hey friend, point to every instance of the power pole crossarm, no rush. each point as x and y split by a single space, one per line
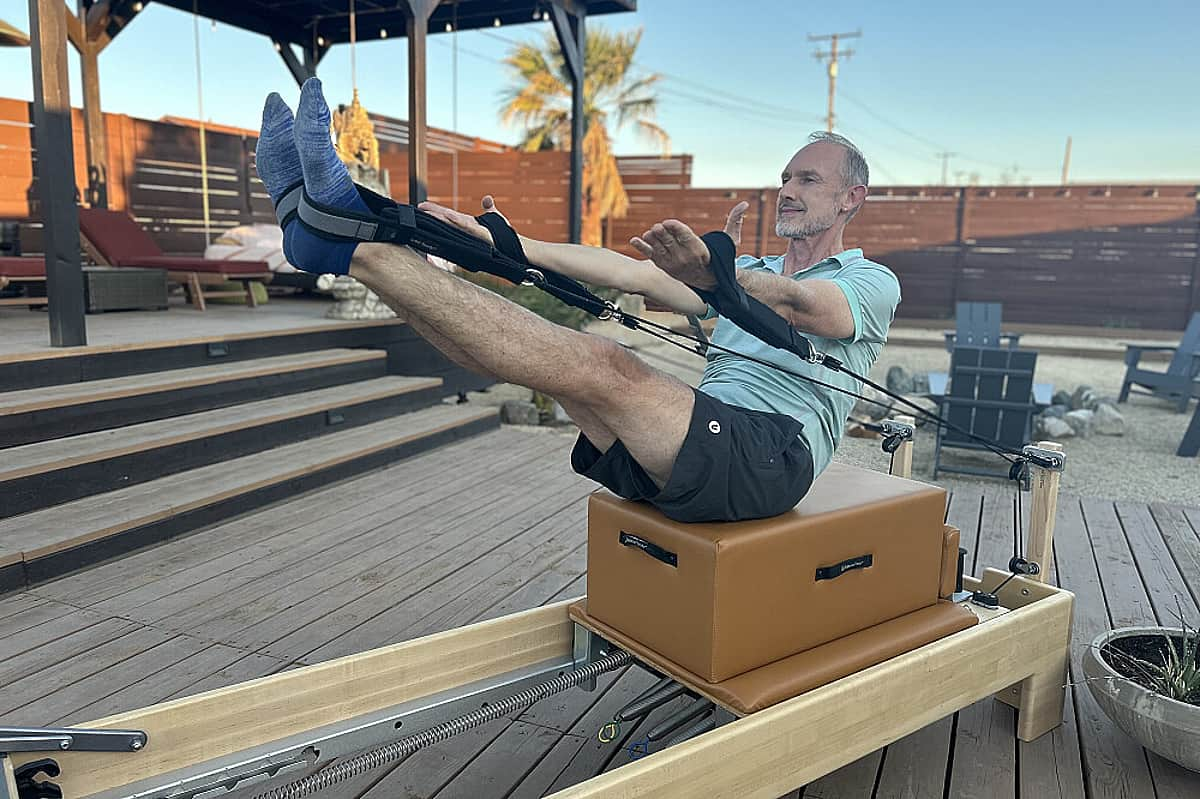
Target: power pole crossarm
832 54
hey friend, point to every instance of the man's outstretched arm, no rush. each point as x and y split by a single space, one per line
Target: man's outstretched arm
593 265
813 306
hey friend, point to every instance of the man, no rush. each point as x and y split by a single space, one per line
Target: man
643 434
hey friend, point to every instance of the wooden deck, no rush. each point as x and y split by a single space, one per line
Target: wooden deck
496 524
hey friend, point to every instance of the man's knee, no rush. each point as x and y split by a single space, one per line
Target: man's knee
611 371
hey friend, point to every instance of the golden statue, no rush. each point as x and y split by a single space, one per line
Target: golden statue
355 135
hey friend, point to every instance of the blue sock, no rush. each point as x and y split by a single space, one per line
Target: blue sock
326 180
276 158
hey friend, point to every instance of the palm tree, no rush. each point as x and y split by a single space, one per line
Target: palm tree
540 99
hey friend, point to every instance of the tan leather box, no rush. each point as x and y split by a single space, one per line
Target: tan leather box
721 599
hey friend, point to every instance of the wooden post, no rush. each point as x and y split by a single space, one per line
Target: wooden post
7 780
902 457
56 172
419 12
1042 510
568 19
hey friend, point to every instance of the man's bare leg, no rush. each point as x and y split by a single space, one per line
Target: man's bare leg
608 388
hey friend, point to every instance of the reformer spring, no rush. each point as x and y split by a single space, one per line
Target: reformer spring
404 747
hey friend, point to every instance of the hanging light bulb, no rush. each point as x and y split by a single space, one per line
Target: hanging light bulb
496 22
449 27
545 16
536 15
137 7
383 33
320 41
278 47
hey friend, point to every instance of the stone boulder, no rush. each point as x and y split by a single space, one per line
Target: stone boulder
519 412
1053 428
1109 421
1081 421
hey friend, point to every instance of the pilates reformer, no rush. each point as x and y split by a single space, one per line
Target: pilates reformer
777 699
291 734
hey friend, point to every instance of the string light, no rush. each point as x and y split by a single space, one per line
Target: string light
383 33
137 7
545 16
320 41
496 22
449 27
278 47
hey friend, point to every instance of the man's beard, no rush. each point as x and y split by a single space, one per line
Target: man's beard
804 228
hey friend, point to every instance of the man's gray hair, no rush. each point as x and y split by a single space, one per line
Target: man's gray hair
854 165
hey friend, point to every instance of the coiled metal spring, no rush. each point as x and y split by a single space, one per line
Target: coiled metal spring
368 761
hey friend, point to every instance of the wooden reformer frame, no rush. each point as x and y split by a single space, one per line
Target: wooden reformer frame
1017 653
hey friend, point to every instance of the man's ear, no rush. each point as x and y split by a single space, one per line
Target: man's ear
855 197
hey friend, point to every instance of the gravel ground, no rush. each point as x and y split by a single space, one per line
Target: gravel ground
1139 466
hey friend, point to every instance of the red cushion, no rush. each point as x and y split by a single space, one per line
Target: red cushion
22 267
115 234
184 263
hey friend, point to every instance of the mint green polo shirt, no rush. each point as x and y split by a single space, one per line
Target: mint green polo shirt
873 293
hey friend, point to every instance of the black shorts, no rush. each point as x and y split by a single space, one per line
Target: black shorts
734 464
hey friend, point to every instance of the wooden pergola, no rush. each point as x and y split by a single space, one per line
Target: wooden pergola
307 27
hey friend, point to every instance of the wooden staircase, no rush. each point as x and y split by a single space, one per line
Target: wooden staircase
94 468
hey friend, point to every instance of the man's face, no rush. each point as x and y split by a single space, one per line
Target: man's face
811 192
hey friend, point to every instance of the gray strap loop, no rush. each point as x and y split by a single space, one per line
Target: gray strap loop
288 204
341 226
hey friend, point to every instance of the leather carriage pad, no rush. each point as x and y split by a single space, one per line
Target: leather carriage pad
779 681
721 599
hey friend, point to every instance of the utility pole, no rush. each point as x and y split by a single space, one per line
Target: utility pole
945 163
1066 161
832 55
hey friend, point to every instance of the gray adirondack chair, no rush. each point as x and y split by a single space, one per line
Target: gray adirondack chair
1178 383
977 324
990 396
1190 446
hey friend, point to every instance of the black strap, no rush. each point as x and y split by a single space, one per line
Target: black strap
735 304
504 237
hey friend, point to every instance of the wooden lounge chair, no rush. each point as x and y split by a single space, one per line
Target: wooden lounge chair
1178 383
22 270
113 238
978 325
991 395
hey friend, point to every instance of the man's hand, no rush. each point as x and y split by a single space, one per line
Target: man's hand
733 223
464 222
678 251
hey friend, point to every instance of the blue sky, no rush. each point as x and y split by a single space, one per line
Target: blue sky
1000 85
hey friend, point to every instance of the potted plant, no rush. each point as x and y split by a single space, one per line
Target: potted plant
1147 680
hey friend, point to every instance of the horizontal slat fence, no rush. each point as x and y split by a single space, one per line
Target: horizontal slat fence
1118 256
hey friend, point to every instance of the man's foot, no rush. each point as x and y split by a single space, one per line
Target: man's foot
325 177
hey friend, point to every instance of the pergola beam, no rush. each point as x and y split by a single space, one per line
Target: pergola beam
418 158
568 18
56 172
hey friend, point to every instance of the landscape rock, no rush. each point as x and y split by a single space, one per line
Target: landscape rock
1081 421
899 380
1056 410
1054 428
1082 396
869 410
519 412
1062 398
1109 421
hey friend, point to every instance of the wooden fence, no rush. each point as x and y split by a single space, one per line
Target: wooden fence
1121 256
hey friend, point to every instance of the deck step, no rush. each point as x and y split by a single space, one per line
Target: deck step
35 476
40 414
48 543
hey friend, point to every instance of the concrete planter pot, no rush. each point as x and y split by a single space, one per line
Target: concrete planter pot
1165 726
